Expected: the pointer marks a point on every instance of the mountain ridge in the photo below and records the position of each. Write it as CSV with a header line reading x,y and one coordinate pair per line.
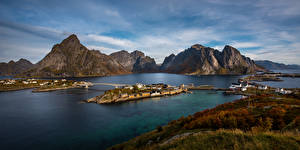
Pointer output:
x,y
199,59
270,65
12,67
72,59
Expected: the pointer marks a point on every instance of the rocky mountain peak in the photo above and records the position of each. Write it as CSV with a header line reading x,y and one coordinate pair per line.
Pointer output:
x,y
11,62
230,50
198,46
137,54
71,39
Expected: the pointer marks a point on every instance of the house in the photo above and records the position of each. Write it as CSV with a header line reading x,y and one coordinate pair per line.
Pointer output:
x,y
244,89
235,85
251,84
128,87
131,96
155,93
25,82
139,85
283,91
124,95
145,94
164,92
33,82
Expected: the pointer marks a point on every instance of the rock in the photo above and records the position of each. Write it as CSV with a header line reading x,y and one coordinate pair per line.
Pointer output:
x,y
136,61
71,59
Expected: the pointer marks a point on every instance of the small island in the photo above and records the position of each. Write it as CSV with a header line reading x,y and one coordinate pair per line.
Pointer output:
x,y
136,92
270,76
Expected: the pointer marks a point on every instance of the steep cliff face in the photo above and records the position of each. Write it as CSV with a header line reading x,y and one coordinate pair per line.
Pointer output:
x,y
205,60
71,59
145,64
135,61
12,68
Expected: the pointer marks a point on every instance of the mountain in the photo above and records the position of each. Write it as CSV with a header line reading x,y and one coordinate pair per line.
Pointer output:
x,y
199,59
275,66
135,61
71,59
12,68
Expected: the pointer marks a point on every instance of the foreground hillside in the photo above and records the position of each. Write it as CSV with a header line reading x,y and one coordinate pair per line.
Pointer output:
x,y
257,122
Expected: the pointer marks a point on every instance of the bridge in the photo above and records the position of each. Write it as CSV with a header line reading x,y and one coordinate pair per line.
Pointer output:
x,y
110,84
88,84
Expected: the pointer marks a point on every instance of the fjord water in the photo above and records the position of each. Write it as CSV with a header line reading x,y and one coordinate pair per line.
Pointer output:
x,y
57,120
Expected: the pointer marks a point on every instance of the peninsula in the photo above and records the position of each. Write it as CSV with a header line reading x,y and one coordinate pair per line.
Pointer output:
x,y
40,85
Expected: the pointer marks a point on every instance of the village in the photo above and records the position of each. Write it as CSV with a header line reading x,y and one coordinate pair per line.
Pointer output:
x,y
246,87
137,91
40,85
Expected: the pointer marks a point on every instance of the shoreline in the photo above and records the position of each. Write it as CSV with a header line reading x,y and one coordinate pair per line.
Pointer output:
x,y
53,89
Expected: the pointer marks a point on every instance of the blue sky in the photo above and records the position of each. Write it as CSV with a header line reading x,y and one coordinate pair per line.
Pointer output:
x,y
260,29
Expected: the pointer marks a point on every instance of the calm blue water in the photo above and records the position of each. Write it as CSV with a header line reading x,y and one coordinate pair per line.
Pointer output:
x,y
287,82
56,120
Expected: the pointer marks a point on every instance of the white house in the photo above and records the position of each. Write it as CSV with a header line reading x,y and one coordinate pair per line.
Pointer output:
x,y
283,91
243,88
155,93
25,82
139,85
128,87
34,82
235,85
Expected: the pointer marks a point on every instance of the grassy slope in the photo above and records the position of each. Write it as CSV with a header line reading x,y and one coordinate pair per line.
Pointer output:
x,y
254,117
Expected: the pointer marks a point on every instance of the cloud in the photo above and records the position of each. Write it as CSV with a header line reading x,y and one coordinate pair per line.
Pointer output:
x,y
262,29
245,44
102,49
109,40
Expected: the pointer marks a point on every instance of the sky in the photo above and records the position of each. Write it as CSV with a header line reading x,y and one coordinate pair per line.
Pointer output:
x,y
260,29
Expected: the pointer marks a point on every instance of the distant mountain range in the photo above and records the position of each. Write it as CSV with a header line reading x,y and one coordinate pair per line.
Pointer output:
x,y
12,68
275,66
72,59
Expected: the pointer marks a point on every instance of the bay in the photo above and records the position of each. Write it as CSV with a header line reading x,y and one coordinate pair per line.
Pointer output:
x,y
57,120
